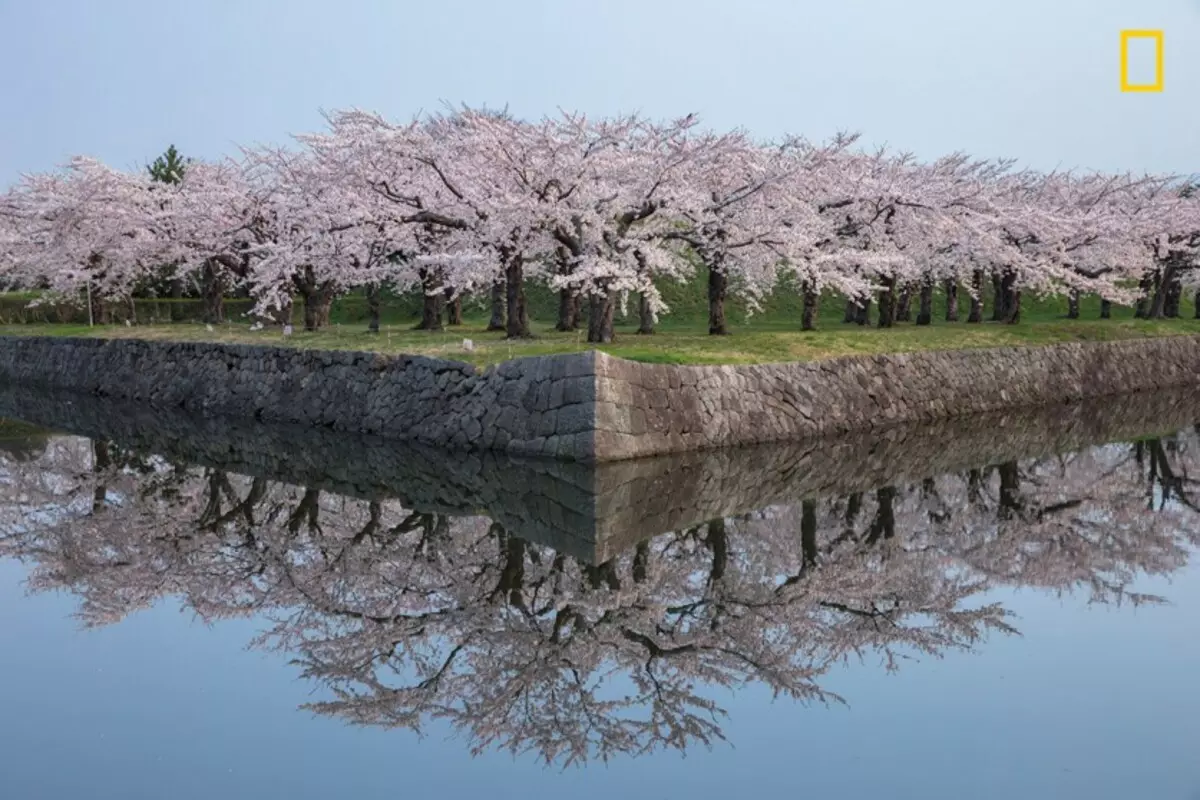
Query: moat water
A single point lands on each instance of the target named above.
(1000, 607)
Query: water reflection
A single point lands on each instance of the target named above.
(583, 612)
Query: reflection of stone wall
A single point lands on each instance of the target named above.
(591, 406)
(645, 409)
(594, 511)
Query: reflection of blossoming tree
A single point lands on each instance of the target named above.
(406, 617)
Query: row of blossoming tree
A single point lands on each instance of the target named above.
(602, 211)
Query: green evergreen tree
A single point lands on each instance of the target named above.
(169, 167)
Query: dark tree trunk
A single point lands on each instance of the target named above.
(887, 303)
(851, 314)
(568, 310)
(717, 284)
(641, 562)
(1158, 305)
(951, 287)
(1105, 309)
(717, 540)
(373, 303)
(100, 309)
(1008, 300)
(517, 326)
(1196, 304)
(1146, 284)
(496, 323)
(1014, 308)
(863, 313)
(999, 312)
(214, 294)
(883, 526)
(974, 486)
(318, 299)
(431, 301)
(316, 309)
(808, 319)
(853, 506)
(1010, 490)
(904, 305)
(1073, 304)
(176, 289)
(925, 313)
(101, 462)
(645, 316)
(600, 318)
(453, 308)
(1174, 292)
(976, 313)
(808, 533)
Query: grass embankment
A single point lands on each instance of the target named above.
(680, 340)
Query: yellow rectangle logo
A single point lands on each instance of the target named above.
(1157, 86)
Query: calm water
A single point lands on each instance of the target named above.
(1003, 607)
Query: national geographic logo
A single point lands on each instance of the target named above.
(1157, 84)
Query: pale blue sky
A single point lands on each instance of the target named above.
(1032, 79)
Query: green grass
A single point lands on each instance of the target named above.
(771, 336)
(762, 339)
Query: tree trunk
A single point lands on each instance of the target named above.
(1073, 304)
(717, 283)
(1009, 299)
(568, 310)
(1014, 308)
(1146, 284)
(1158, 305)
(1010, 490)
(214, 294)
(863, 313)
(317, 303)
(883, 526)
(496, 323)
(951, 286)
(600, 317)
(887, 303)
(925, 314)
(645, 316)
(999, 312)
(453, 308)
(808, 533)
(101, 462)
(431, 300)
(717, 541)
(1105, 309)
(976, 314)
(1196, 302)
(808, 319)
(1174, 292)
(517, 326)
(851, 314)
(904, 306)
(373, 292)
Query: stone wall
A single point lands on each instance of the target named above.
(529, 406)
(591, 406)
(646, 409)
